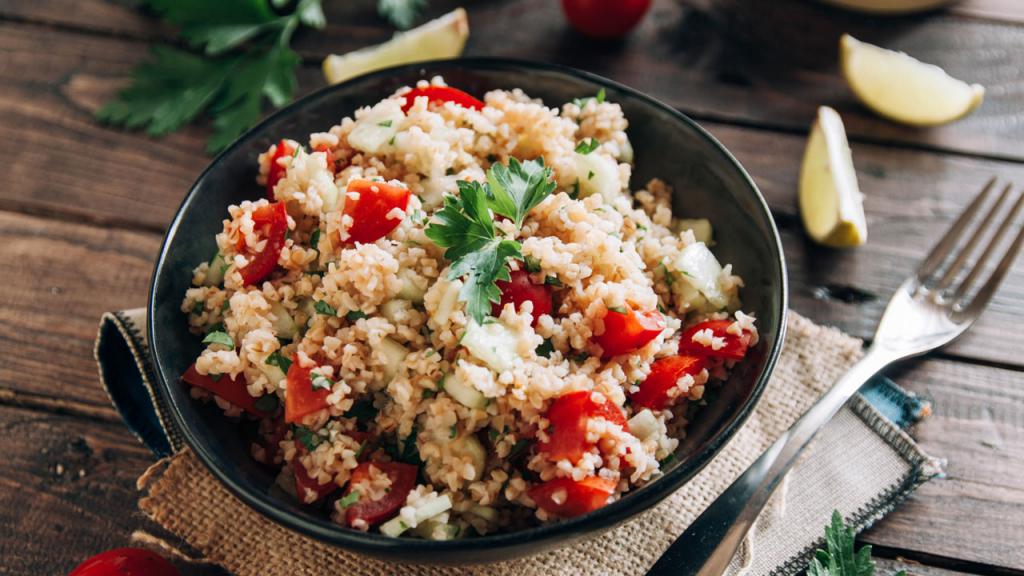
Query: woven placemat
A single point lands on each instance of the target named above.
(863, 464)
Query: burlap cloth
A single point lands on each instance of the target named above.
(862, 464)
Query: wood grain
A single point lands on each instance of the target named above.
(730, 60)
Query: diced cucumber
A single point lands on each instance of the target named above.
(284, 324)
(486, 512)
(426, 511)
(468, 445)
(446, 306)
(643, 424)
(329, 194)
(598, 174)
(394, 354)
(701, 228)
(410, 289)
(215, 271)
(493, 344)
(464, 393)
(374, 131)
(392, 309)
(434, 529)
(701, 269)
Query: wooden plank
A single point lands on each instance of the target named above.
(892, 566)
(59, 279)
(731, 60)
(977, 426)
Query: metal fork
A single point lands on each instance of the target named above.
(930, 309)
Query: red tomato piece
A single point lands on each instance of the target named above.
(569, 414)
(605, 18)
(306, 485)
(271, 223)
(519, 289)
(665, 372)
(566, 497)
(628, 331)
(276, 172)
(373, 512)
(301, 399)
(442, 94)
(231, 389)
(735, 347)
(126, 562)
(369, 213)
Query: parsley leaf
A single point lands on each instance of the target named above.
(321, 382)
(515, 190)
(276, 359)
(307, 437)
(587, 146)
(839, 558)
(218, 337)
(349, 499)
(401, 13)
(324, 308)
(483, 268)
(354, 315)
(532, 264)
(546, 348)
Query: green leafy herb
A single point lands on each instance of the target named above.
(362, 410)
(454, 431)
(532, 264)
(385, 124)
(354, 315)
(401, 13)
(241, 57)
(314, 240)
(600, 96)
(348, 499)
(552, 280)
(405, 450)
(838, 558)
(276, 359)
(428, 393)
(666, 460)
(267, 403)
(581, 102)
(580, 357)
(218, 337)
(546, 348)
(590, 175)
(218, 327)
(587, 146)
(321, 382)
(670, 278)
(307, 437)
(619, 309)
(226, 305)
(198, 308)
(518, 448)
(465, 227)
(493, 434)
(440, 383)
(575, 190)
(324, 308)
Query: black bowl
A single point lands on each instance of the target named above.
(708, 182)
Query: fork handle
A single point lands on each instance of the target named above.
(709, 543)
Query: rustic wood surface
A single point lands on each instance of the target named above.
(82, 210)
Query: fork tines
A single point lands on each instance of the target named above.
(952, 256)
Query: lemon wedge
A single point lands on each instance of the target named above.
(443, 37)
(904, 89)
(830, 200)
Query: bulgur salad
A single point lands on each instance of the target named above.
(451, 317)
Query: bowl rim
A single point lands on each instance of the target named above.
(565, 531)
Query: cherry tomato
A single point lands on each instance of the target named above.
(283, 150)
(231, 389)
(306, 485)
(665, 372)
(567, 498)
(605, 18)
(403, 480)
(271, 223)
(628, 331)
(126, 562)
(568, 415)
(519, 289)
(442, 94)
(735, 347)
(369, 212)
(301, 399)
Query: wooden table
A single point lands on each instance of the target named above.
(83, 209)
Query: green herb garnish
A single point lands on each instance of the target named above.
(546, 348)
(428, 393)
(226, 305)
(307, 437)
(552, 280)
(401, 13)
(348, 499)
(532, 264)
(493, 434)
(314, 240)
(587, 146)
(838, 558)
(321, 382)
(198, 308)
(619, 309)
(518, 448)
(465, 227)
(354, 315)
(385, 124)
(324, 308)
(454, 431)
(218, 337)
(581, 102)
(362, 410)
(276, 359)
(666, 460)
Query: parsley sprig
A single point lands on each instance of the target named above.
(465, 227)
(838, 558)
(240, 56)
(401, 13)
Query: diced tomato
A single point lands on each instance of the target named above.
(369, 212)
(628, 331)
(442, 94)
(306, 485)
(569, 414)
(332, 165)
(566, 497)
(271, 223)
(300, 398)
(519, 289)
(403, 480)
(735, 347)
(283, 150)
(665, 372)
(231, 389)
(126, 562)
